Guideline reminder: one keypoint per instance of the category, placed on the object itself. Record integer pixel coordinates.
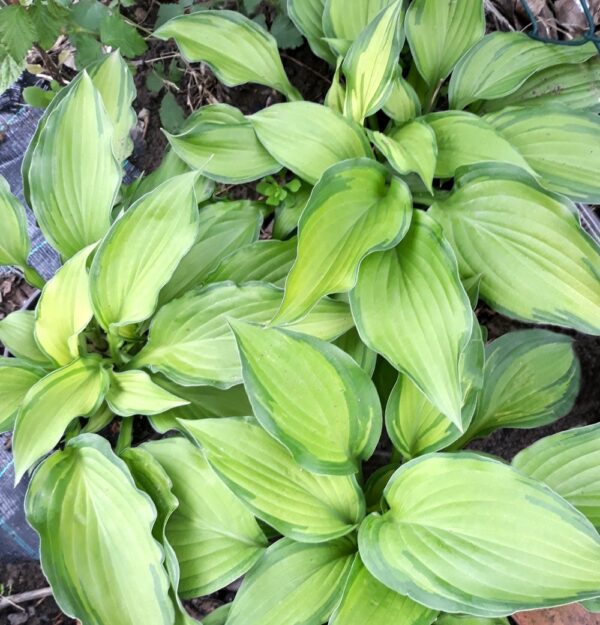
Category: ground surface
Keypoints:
(310, 75)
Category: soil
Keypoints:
(199, 87)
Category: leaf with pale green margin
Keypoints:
(561, 146)
(203, 402)
(237, 49)
(113, 79)
(414, 425)
(326, 137)
(500, 63)
(411, 148)
(465, 619)
(569, 463)
(352, 345)
(87, 511)
(73, 177)
(299, 385)
(65, 309)
(351, 213)
(531, 378)
(336, 94)
(76, 390)
(465, 139)
(266, 261)
(14, 238)
(576, 86)
(99, 420)
(150, 477)
(133, 392)
(439, 32)
(17, 334)
(216, 538)
(221, 143)
(504, 227)
(417, 282)
(15, 381)
(366, 600)
(307, 15)
(345, 22)
(141, 252)
(370, 64)
(592, 605)
(170, 166)
(450, 513)
(191, 342)
(223, 228)
(302, 505)
(402, 104)
(294, 583)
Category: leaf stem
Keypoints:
(33, 277)
(125, 435)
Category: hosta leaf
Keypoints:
(402, 103)
(171, 166)
(501, 62)
(215, 537)
(326, 136)
(346, 22)
(14, 238)
(113, 79)
(76, 390)
(88, 513)
(307, 15)
(414, 425)
(569, 463)
(298, 385)
(17, 334)
(592, 605)
(204, 402)
(133, 392)
(505, 228)
(485, 517)
(351, 212)
(65, 309)
(417, 282)
(440, 32)
(287, 214)
(367, 600)
(218, 616)
(351, 343)
(336, 94)
(531, 378)
(465, 619)
(294, 583)
(223, 228)
(465, 139)
(370, 64)
(151, 478)
(141, 252)
(409, 149)
(266, 261)
(575, 86)
(191, 342)
(301, 505)
(237, 49)
(73, 176)
(221, 143)
(563, 147)
(15, 382)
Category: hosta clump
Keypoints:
(167, 306)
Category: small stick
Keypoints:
(31, 595)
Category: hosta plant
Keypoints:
(275, 365)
